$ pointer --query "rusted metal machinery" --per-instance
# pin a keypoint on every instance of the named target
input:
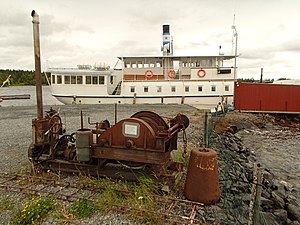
(144, 140)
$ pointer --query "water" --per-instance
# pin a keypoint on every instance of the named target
(48, 99)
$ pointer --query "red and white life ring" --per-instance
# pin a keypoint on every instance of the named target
(172, 74)
(201, 73)
(148, 74)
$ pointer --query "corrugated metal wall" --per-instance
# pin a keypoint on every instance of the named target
(267, 97)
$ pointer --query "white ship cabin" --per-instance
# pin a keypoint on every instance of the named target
(193, 80)
(177, 68)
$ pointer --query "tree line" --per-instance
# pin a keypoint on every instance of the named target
(20, 77)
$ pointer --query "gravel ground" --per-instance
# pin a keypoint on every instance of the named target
(275, 148)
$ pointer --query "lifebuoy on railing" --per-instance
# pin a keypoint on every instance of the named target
(201, 73)
(148, 74)
(172, 74)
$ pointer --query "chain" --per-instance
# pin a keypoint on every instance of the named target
(184, 146)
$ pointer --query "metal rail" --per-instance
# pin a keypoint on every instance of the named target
(172, 208)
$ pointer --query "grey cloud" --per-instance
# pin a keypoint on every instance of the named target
(51, 26)
(131, 47)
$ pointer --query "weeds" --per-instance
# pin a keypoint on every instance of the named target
(6, 204)
(177, 156)
(82, 208)
(34, 211)
(139, 198)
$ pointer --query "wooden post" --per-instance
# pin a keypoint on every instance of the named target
(205, 131)
(134, 98)
(255, 196)
(258, 195)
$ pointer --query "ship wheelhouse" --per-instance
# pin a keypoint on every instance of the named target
(177, 68)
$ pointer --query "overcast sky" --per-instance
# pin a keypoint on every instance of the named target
(92, 31)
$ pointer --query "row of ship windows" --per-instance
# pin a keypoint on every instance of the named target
(159, 64)
(78, 79)
(213, 88)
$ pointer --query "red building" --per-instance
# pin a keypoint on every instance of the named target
(277, 98)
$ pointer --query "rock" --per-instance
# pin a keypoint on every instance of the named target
(269, 126)
(294, 223)
(278, 199)
(270, 219)
(246, 199)
(293, 212)
(266, 204)
(292, 200)
(281, 216)
(266, 194)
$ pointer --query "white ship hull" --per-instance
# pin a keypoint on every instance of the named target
(201, 102)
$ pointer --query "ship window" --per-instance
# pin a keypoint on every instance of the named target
(79, 79)
(187, 88)
(173, 88)
(140, 65)
(199, 88)
(158, 64)
(213, 88)
(151, 65)
(132, 89)
(95, 80)
(133, 65)
(224, 70)
(88, 80)
(159, 89)
(67, 79)
(127, 65)
(146, 65)
(59, 80)
(146, 89)
(53, 79)
(73, 79)
(101, 80)
(226, 87)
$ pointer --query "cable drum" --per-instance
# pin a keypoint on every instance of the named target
(153, 119)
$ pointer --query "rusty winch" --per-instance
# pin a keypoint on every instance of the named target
(144, 140)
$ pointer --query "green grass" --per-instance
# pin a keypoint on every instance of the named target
(6, 204)
(82, 208)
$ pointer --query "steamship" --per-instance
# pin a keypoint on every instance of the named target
(200, 81)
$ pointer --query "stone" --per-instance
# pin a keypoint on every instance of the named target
(281, 216)
(293, 212)
(266, 204)
(291, 199)
(278, 199)
(295, 222)
(269, 218)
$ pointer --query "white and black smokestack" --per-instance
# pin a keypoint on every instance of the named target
(167, 47)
